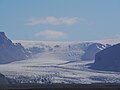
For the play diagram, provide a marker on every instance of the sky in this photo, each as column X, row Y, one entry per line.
column 60, row 20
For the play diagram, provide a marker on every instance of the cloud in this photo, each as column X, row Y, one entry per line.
column 51, row 34
column 53, row 21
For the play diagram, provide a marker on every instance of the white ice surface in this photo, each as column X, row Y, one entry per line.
column 61, row 71
column 56, row 67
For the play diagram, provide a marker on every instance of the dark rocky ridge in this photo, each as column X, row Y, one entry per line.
column 108, row 59
column 9, row 51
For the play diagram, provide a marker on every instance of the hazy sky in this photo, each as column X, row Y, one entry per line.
column 63, row 20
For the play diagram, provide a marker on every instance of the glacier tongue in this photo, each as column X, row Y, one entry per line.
column 42, row 69
column 57, row 63
column 48, row 68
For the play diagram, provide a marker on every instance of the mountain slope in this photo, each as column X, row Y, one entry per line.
column 9, row 51
column 108, row 59
column 92, row 49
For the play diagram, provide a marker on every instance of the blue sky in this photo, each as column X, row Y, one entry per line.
column 60, row 20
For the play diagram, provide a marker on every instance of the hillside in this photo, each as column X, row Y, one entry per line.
column 10, row 51
column 108, row 59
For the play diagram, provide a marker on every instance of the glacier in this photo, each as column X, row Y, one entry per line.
column 58, row 62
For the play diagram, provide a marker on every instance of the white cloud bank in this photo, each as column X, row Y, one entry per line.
column 53, row 21
column 51, row 34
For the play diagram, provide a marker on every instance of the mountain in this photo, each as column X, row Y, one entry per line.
column 92, row 49
column 71, row 51
column 108, row 59
column 9, row 51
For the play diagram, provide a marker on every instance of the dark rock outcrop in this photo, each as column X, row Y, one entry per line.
column 3, row 79
column 6, row 81
column 35, row 50
column 108, row 59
